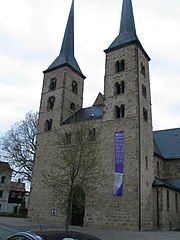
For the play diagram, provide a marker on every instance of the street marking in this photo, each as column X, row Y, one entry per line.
column 7, row 228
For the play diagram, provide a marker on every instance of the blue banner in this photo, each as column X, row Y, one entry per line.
column 119, row 161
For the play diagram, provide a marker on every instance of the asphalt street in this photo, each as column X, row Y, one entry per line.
column 9, row 226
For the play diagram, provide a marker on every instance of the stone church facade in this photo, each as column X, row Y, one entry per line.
column 149, row 183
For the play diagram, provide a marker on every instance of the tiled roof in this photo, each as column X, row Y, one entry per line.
column 167, row 143
column 5, row 166
column 17, row 187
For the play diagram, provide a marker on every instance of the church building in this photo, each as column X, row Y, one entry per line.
column 141, row 189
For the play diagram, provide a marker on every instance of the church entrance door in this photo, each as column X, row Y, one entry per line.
column 78, row 207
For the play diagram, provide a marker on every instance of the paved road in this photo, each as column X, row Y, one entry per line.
column 12, row 225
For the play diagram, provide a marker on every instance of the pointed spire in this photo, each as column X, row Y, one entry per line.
column 127, row 32
column 66, row 56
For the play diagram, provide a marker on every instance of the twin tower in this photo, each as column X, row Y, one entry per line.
column 124, row 199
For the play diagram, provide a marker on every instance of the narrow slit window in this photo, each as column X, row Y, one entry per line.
column 145, row 114
column 144, row 92
column 167, row 201
column 147, row 163
column 176, row 202
column 158, row 169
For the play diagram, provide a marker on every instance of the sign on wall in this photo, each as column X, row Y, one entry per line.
column 119, row 161
column 53, row 211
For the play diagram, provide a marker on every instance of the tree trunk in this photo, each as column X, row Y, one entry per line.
column 69, row 209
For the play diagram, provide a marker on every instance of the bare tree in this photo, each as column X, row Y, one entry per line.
column 78, row 166
column 18, row 146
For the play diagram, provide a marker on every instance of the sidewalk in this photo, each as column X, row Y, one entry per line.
column 26, row 224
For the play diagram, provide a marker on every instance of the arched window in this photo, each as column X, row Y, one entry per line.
column 119, row 88
column 52, row 85
column 73, row 107
column 74, row 87
column 50, row 102
column 119, row 66
column 120, row 111
column 48, row 125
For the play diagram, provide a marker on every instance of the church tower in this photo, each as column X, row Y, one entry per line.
column 62, row 92
column 62, row 95
column 127, row 111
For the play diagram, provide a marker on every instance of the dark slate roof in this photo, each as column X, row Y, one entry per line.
column 167, row 143
column 66, row 56
column 5, row 166
column 93, row 112
column 17, row 187
column 169, row 183
column 127, row 31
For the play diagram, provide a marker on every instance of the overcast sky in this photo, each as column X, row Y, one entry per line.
column 31, row 33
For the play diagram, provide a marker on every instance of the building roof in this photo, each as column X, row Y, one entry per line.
column 127, row 32
column 5, row 166
column 17, row 187
column 169, row 183
column 93, row 112
column 167, row 143
column 66, row 56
